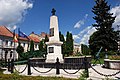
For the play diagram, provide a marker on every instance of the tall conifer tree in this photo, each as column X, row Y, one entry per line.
column 105, row 36
column 63, row 45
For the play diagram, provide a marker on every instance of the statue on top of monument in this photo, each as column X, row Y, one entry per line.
column 53, row 11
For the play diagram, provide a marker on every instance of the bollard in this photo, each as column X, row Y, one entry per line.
column 57, row 66
column 86, row 67
column 12, row 65
column 29, row 69
column 9, row 65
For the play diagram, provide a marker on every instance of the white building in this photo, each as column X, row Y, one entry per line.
column 7, row 46
column 77, row 48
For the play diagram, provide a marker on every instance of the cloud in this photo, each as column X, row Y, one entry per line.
column 116, row 12
column 13, row 11
column 84, row 35
column 81, row 22
column 75, row 37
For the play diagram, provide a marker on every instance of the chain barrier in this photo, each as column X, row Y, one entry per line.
column 106, row 75
column 40, row 71
column 22, row 70
column 73, row 72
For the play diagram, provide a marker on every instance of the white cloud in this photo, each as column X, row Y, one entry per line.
column 116, row 12
column 75, row 37
column 84, row 35
column 13, row 11
column 81, row 22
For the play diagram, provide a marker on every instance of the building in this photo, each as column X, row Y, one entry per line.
column 7, row 46
column 77, row 48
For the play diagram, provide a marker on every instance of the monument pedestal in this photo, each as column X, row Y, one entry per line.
column 55, row 52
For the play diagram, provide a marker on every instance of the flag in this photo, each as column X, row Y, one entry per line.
column 21, row 34
column 14, row 37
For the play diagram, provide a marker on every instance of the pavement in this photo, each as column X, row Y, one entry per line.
column 92, row 74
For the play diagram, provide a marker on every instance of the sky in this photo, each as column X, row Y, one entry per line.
column 74, row 16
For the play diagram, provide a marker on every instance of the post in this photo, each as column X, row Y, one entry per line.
column 12, row 65
column 9, row 65
column 29, row 69
column 57, row 66
column 86, row 67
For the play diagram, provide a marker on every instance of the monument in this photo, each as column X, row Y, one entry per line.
column 54, row 44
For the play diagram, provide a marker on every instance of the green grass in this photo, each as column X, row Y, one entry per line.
column 15, row 76
column 101, row 60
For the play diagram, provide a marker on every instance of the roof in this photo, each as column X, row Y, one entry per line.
column 43, row 34
column 5, row 32
column 34, row 39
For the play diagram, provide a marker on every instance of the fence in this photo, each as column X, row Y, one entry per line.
column 84, row 65
column 57, row 66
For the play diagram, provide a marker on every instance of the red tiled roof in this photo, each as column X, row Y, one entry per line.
column 5, row 32
column 43, row 34
column 34, row 39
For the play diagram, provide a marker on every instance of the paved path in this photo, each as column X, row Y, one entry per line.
column 92, row 74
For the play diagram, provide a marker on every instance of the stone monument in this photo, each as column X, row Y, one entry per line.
column 54, row 44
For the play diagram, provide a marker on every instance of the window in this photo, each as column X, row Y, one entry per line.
column 0, row 42
column 23, row 44
column 51, row 49
column 6, row 42
column 11, row 43
column 52, row 32
column 35, row 45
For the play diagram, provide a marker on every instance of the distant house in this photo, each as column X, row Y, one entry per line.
column 7, row 46
column 77, row 48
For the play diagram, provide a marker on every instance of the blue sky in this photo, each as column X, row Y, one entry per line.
column 74, row 16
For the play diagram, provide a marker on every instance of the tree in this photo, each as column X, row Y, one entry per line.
column 31, row 47
column 85, row 49
column 41, row 46
column 63, row 45
column 46, row 38
column 20, row 50
column 45, row 46
column 69, row 44
column 105, row 36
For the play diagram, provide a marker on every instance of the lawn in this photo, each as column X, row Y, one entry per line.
column 15, row 76
column 101, row 60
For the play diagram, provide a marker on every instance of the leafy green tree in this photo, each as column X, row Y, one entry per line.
column 41, row 46
column 85, row 49
column 105, row 36
column 20, row 50
column 46, row 38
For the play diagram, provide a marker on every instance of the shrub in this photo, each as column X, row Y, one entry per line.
column 114, row 57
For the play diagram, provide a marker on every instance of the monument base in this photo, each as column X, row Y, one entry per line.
column 51, row 58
